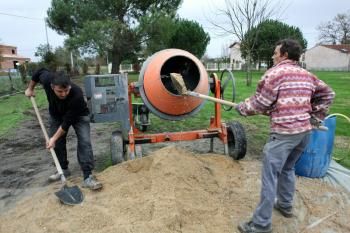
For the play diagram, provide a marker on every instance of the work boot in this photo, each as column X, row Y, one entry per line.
column 286, row 212
column 56, row 177
column 91, row 183
column 250, row 227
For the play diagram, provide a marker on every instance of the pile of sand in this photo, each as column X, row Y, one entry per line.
column 176, row 191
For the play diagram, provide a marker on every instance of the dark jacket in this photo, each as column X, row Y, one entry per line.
column 66, row 110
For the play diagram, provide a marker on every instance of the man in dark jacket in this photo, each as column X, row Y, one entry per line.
column 67, row 107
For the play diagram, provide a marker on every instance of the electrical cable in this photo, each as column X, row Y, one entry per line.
column 342, row 115
column 20, row 16
column 338, row 114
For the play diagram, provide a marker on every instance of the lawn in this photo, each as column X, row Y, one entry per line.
column 13, row 110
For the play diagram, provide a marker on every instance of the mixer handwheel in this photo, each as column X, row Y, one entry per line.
column 236, row 139
column 227, row 81
column 118, row 148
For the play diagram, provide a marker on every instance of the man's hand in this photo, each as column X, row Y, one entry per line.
column 30, row 89
column 51, row 143
column 29, row 92
column 238, row 110
column 316, row 123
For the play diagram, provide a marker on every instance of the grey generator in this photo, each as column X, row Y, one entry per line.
column 108, row 101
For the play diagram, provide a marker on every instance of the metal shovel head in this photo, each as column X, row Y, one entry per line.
column 178, row 83
column 70, row 195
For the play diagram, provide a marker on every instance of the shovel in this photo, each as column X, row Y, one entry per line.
column 67, row 195
column 180, row 86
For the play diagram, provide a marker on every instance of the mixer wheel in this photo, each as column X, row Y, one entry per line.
column 118, row 148
column 236, row 139
column 143, row 128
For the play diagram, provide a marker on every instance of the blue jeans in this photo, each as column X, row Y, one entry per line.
column 84, row 149
column 277, row 176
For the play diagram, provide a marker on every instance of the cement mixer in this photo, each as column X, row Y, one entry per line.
column 110, row 99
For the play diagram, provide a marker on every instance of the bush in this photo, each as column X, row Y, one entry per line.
column 23, row 72
column 32, row 67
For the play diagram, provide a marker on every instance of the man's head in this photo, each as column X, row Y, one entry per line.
column 61, row 85
column 286, row 49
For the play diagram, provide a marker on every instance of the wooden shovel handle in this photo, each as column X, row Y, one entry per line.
column 221, row 101
column 53, row 153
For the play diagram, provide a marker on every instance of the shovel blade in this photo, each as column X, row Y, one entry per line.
column 70, row 195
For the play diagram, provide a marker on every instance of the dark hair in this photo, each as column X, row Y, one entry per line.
column 60, row 79
column 291, row 47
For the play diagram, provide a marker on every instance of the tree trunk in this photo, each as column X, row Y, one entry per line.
column 116, row 60
column 249, row 70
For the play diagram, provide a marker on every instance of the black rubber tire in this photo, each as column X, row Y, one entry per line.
column 117, row 148
column 236, row 139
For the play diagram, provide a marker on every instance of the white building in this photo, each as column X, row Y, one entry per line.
column 236, row 59
column 328, row 57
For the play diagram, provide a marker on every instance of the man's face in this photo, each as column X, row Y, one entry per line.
column 277, row 57
column 61, row 92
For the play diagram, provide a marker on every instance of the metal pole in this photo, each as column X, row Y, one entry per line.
column 71, row 60
column 47, row 37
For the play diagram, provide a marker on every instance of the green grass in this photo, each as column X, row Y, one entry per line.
column 340, row 82
column 14, row 109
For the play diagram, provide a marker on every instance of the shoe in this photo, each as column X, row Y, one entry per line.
column 250, row 227
column 56, row 177
column 91, row 183
column 286, row 212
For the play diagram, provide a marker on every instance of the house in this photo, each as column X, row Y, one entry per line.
column 236, row 59
column 9, row 57
column 328, row 57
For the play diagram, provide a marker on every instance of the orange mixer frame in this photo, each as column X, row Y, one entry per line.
column 216, row 127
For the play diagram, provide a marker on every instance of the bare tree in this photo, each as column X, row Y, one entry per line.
column 336, row 30
column 239, row 17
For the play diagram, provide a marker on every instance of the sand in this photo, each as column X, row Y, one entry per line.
column 174, row 190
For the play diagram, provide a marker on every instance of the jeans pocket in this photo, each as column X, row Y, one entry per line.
column 84, row 118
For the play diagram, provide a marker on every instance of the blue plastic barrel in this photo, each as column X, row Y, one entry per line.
column 314, row 161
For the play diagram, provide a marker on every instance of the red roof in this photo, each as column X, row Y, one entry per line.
column 345, row 48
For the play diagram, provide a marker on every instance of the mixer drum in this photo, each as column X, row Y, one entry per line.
column 157, row 90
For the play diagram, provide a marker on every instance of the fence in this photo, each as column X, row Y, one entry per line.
column 218, row 66
column 11, row 82
column 122, row 68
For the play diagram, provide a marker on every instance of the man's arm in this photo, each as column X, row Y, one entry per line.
column 40, row 76
column 261, row 102
column 52, row 141
column 321, row 99
column 29, row 92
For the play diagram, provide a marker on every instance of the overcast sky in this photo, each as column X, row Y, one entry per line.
column 28, row 33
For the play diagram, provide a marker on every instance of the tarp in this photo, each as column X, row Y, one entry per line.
column 338, row 175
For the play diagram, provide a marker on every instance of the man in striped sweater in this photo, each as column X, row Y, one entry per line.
column 291, row 96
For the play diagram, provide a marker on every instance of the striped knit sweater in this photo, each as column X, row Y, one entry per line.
column 289, row 95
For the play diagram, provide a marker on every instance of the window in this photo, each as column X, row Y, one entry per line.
column 13, row 51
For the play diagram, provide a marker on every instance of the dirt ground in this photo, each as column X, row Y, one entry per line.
column 178, row 188
column 26, row 164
